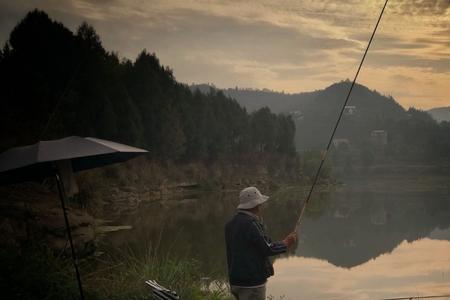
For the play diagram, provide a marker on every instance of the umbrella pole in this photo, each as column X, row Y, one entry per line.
column 62, row 196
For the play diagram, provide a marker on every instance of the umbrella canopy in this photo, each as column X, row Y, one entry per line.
column 37, row 161
column 49, row 158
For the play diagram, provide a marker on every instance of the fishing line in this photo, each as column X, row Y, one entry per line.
column 324, row 154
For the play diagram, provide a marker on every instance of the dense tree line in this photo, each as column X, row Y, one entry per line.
column 57, row 83
column 419, row 137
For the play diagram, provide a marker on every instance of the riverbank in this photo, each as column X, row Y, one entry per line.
column 31, row 216
column 118, row 190
column 106, row 194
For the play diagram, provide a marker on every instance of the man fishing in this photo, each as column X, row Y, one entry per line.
column 249, row 248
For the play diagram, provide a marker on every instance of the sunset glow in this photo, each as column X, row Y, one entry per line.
column 289, row 46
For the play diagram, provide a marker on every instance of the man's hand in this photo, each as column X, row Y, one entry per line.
column 290, row 239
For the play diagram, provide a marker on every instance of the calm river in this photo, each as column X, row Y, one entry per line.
column 368, row 239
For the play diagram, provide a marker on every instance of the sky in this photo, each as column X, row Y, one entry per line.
column 283, row 45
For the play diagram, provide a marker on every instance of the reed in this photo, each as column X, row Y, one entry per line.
column 35, row 272
column 124, row 272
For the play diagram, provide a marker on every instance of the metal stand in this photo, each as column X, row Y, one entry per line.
column 62, row 197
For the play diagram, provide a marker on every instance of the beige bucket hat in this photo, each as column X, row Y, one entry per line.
column 251, row 197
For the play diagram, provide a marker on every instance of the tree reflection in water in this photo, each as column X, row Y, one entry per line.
column 346, row 226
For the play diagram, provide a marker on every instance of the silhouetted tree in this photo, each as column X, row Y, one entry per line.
column 56, row 83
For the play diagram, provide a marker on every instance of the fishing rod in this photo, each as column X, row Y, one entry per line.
column 418, row 297
column 324, row 153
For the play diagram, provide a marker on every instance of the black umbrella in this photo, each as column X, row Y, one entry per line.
column 49, row 158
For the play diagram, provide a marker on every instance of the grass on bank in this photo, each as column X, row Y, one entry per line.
column 35, row 272
column 124, row 273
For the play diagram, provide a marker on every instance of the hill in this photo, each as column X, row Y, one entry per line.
column 374, row 126
column 367, row 110
column 276, row 101
column 440, row 113
column 316, row 112
column 254, row 99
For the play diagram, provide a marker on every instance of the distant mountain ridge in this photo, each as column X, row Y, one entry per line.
column 316, row 112
column 440, row 113
column 254, row 99
column 373, row 125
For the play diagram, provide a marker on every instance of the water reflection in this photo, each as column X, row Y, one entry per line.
column 356, row 225
column 418, row 268
column 346, row 247
column 190, row 229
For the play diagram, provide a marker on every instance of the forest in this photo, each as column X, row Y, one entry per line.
column 57, row 83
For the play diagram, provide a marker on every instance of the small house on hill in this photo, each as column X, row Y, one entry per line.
column 350, row 110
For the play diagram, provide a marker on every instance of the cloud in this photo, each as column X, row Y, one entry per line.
column 243, row 50
column 421, row 7
column 383, row 59
column 389, row 41
column 429, row 41
column 402, row 78
column 424, row 89
column 266, row 43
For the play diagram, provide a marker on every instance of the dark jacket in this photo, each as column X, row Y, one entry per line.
column 248, row 250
